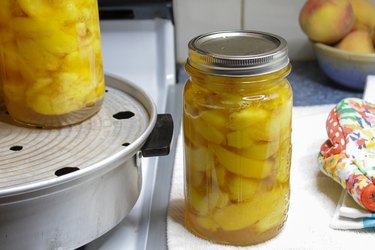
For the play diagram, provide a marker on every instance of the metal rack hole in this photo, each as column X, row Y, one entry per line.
column 123, row 115
column 65, row 170
column 16, row 148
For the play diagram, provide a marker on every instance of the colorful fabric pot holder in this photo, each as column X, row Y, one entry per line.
column 348, row 156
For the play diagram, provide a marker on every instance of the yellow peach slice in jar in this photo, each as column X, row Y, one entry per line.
column 80, row 61
column 266, row 131
column 15, row 9
column 40, row 29
column 242, row 215
column 191, row 136
column 52, row 35
column 61, row 10
column 209, row 133
column 283, row 161
column 16, row 67
column 239, row 139
column 242, row 165
column 225, row 100
column 5, row 13
column 6, row 35
column 96, row 93
column 197, row 202
column 215, row 118
column 59, row 42
column 16, row 90
column 205, row 200
column 70, row 13
column 37, row 58
column 246, row 117
column 219, row 175
column 205, row 222
column 195, row 179
column 61, row 96
column 191, row 108
column 87, row 35
column 198, row 159
column 195, row 95
column 261, row 150
column 242, row 189
column 277, row 127
column 35, row 8
column 285, row 114
column 278, row 123
column 219, row 198
column 277, row 95
column 277, row 215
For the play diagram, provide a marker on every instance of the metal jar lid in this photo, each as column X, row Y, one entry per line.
column 238, row 53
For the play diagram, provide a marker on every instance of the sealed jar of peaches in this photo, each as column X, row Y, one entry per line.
column 50, row 61
column 237, row 136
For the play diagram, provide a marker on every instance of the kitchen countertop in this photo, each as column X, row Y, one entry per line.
column 310, row 85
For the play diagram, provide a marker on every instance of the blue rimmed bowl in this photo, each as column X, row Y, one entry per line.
column 344, row 67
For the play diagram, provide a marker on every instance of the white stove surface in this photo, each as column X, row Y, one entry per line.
column 141, row 51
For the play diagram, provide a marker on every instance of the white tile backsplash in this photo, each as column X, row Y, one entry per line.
column 281, row 18
column 195, row 17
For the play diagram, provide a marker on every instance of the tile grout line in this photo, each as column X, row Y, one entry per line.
column 242, row 14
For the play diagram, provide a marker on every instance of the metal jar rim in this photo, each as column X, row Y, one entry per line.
column 238, row 53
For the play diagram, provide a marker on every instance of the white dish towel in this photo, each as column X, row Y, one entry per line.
column 313, row 198
column 349, row 215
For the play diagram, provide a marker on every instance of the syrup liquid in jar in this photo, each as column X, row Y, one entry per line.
column 237, row 136
column 50, row 61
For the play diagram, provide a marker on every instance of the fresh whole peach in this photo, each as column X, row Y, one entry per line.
column 364, row 11
column 327, row 21
column 359, row 41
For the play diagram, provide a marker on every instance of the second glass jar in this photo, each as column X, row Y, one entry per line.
column 237, row 137
column 51, row 61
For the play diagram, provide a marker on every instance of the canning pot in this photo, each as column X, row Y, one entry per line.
column 62, row 188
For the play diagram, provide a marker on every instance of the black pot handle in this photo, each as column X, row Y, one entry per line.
column 159, row 141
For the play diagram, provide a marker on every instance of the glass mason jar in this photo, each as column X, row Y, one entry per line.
column 50, row 61
column 237, row 136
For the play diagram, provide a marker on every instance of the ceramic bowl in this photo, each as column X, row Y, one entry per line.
column 345, row 68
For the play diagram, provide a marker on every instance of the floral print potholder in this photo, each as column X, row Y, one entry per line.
column 348, row 156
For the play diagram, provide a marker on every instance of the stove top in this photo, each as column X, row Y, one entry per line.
column 135, row 9
column 142, row 51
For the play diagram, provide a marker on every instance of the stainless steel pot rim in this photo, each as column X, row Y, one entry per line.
column 122, row 91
